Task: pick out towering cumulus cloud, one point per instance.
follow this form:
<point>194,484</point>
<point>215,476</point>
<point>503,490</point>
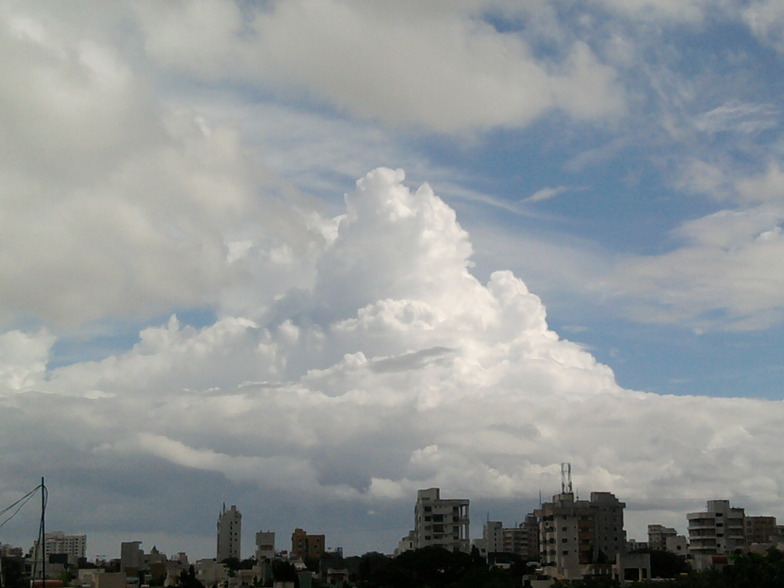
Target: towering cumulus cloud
<point>393,369</point>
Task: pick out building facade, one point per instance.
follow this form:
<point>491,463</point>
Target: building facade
<point>58,543</point>
<point>609,534</point>
<point>565,529</point>
<point>657,536</point>
<point>531,527</point>
<point>229,534</point>
<point>760,529</point>
<point>441,522</point>
<point>265,545</point>
<point>719,530</point>
<point>131,556</point>
<point>305,545</point>
<point>579,537</point>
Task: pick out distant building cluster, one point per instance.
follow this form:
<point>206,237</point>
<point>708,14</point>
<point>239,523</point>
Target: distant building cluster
<point>566,538</point>
<point>572,538</point>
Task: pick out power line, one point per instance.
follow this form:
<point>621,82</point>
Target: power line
<point>14,510</point>
<point>18,504</point>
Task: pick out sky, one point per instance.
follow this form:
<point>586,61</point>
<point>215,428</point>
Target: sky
<point>308,257</point>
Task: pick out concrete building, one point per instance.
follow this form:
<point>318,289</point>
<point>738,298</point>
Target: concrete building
<point>229,534</point>
<point>503,541</point>
<point>514,540</point>
<point>657,536</point>
<point>634,545</point>
<point>565,532</point>
<point>678,545</point>
<point>719,530</point>
<point>405,544</point>
<point>131,556</point>
<point>305,545</point>
<point>491,541</point>
<point>210,572</point>
<point>581,537</point>
<point>73,546</point>
<point>609,535</point>
<point>441,522</point>
<point>265,545</point>
<point>632,567</point>
<point>531,527</point>
<point>760,529</point>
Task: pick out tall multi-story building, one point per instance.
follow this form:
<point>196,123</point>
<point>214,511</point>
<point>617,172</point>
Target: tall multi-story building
<point>609,535</point>
<point>577,534</point>
<point>719,530</point>
<point>531,527</point>
<point>565,530</point>
<point>657,536</point>
<point>305,545</point>
<point>441,522</point>
<point>131,556</point>
<point>492,539</point>
<point>229,534</point>
<point>513,540</point>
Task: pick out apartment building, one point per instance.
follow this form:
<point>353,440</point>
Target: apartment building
<point>719,530</point>
<point>609,534</point>
<point>579,536</point>
<point>441,522</point>
<point>565,532</point>
<point>760,529</point>
<point>58,543</point>
<point>265,545</point>
<point>657,536</point>
<point>229,534</point>
<point>305,545</point>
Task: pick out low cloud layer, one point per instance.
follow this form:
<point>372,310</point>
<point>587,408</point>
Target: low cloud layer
<point>396,370</point>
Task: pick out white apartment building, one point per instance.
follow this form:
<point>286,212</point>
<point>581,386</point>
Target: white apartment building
<point>229,533</point>
<point>441,522</point>
<point>57,542</point>
<point>720,530</point>
<point>265,545</point>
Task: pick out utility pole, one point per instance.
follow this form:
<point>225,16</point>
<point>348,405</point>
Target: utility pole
<point>43,533</point>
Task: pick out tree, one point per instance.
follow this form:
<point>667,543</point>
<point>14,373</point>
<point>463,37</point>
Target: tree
<point>283,571</point>
<point>188,579</point>
<point>13,573</point>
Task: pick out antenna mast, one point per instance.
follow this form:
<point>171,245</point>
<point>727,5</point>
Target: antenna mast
<point>566,478</point>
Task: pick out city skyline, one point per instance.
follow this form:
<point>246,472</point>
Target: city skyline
<point>229,520</point>
<point>315,255</point>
